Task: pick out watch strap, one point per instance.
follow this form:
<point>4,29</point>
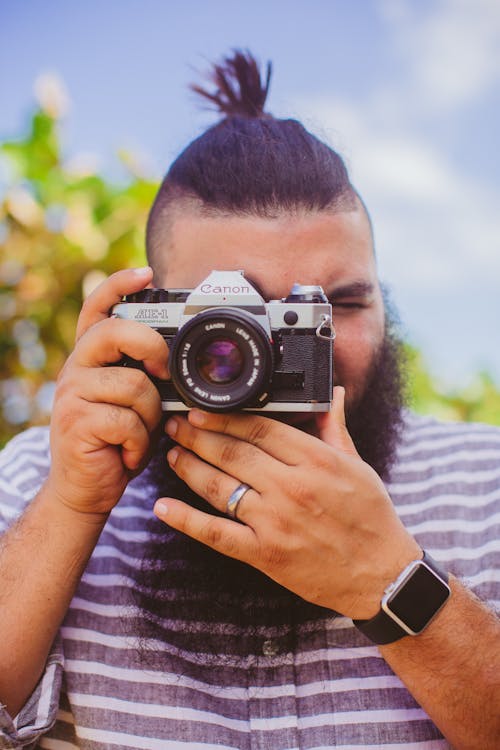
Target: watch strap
<point>381,628</point>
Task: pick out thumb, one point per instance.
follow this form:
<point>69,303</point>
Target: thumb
<point>332,427</point>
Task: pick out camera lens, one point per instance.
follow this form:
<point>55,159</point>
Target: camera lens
<point>220,361</point>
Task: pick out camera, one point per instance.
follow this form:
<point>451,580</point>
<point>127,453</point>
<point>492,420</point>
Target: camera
<point>230,350</point>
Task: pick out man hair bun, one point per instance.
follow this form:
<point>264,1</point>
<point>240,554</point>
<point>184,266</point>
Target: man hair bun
<point>240,90</point>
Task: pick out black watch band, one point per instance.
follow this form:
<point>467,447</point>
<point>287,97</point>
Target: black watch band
<point>429,592</point>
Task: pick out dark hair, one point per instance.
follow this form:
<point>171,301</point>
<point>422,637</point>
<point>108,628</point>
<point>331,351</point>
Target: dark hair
<point>249,162</point>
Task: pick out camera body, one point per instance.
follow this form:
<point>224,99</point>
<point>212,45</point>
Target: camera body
<point>230,350</point>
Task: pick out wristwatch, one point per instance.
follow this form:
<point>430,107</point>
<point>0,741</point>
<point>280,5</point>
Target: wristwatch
<point>409,603</point>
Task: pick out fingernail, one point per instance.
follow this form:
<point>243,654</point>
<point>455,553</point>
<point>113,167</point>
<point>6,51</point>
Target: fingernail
<point>172,456</point>
<point>160,509</point>
<point>172,427</point>
<point>197,418</point>
<point>144,271</point>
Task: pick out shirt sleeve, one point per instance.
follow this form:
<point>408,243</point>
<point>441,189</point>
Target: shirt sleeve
<point>39,713</point>
<point>24,464</point>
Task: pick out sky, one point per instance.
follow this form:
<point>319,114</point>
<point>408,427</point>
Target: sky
<point>408,91</point>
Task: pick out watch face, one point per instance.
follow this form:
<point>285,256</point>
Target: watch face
<point>418,599</point>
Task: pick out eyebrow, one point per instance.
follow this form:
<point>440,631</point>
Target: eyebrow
<point>356,289</point>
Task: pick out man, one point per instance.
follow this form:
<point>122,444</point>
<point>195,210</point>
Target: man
<point>146,638</point>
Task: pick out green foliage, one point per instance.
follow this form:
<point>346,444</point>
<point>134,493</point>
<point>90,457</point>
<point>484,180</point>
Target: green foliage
<point>479,401</point>
<point>62,230</point>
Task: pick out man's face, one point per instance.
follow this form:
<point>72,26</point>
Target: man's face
<point>333,250</point>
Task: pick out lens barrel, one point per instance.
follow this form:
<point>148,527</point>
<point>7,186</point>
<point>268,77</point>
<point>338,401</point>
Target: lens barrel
<point>221,360</point>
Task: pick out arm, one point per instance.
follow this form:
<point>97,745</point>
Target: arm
<point>319,521</point>
<point>453,670</point>
<point>41,560</point>
<point>101,425</point>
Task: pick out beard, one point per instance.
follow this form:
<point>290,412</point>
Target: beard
<point>182,581</point>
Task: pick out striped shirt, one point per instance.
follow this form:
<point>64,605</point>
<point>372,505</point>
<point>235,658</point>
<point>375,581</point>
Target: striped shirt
<point>328,688</point>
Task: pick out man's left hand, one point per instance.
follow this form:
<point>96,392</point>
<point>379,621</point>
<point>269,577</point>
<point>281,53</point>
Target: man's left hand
<point>317,519</point>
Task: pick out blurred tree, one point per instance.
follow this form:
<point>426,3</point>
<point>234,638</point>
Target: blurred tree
<point>479,401</point>
<point>63,228</point>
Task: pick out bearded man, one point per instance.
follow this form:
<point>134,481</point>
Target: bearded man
<point>283,593</point>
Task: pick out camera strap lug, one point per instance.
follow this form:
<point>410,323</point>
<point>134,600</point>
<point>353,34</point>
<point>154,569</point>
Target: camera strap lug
<point>326,322</point>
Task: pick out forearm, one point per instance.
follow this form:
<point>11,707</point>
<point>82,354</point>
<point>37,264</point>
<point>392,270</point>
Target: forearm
<point>42,558</point>
<point>453,670</point>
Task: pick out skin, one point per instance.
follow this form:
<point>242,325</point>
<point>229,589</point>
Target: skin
<point>317,518</point>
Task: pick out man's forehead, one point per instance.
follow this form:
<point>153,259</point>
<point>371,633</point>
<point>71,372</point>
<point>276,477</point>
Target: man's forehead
<point>319,247</point>
<point>289,225</point>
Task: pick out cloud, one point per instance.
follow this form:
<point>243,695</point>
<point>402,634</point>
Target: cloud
<point>434,224</point>
<point>450,49</point>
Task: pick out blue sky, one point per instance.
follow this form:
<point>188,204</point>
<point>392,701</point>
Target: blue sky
<point>407,90</point>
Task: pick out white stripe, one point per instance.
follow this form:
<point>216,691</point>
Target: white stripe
<point>130,511</point>
<point>471,479</point>
<point>339,718</point>
<point>131,536</point>
<point>422,425</point>
<point>489,575</point>
<point>106,551</point>
<point>105,610</point>
<point>441,441</point>
<point>155,710</point>
<point>447,525</point>
<point>144,743</point>
<point>474,502</point>
<point>13,467</point>
<point>43,707</point>
<point>24,476</point>
<point>33,440</point>
<point>108,579</point>
<point>271,723</point>
<point>461,456</point>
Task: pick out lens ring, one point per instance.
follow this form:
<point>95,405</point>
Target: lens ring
<point>248,386</point>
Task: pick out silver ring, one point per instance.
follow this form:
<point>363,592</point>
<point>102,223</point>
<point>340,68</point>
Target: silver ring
<point>234,499</point>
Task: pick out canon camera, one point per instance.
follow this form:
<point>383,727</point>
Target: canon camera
<point>231,350</point>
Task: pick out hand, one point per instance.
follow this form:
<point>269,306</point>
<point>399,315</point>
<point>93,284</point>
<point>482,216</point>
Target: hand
<point>318,520</point>
<point>103,416</point>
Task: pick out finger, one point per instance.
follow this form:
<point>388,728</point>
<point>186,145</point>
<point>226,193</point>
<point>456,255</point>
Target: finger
<point>213,485</point>
<point>235,457</point>
<point>108,424</point>
<point>332,426</point>
<point>123,386</point>
<point>98,304</point>
<point>223,535</point>
<point>281,441</point>
<point>110,339</point>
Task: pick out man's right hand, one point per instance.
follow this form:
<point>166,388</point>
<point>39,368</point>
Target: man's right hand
<point>104,415</point>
